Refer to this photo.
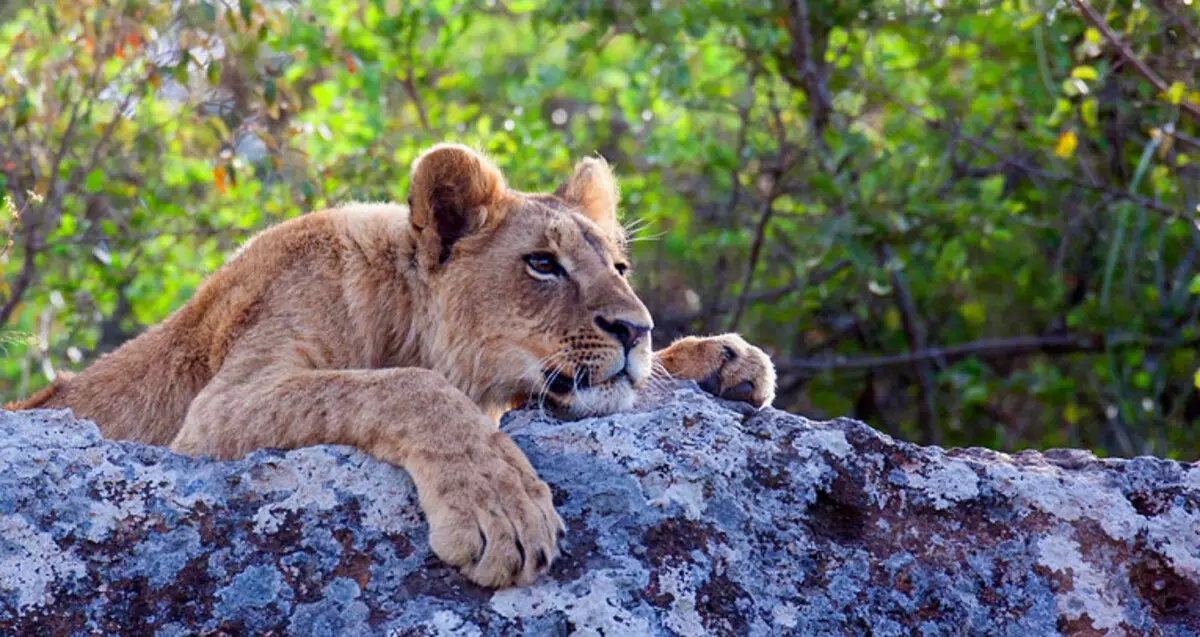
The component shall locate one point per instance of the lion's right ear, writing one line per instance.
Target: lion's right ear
(593, 188)
(452, 194)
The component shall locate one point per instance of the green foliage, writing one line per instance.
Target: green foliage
(845, 182)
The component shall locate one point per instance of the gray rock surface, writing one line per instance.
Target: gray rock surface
(687, 516)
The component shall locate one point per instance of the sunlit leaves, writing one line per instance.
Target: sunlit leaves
(1174, 93)
(1088, 110)
(1065, 146)
(94, 180)
(949, 142)
(1084, 72)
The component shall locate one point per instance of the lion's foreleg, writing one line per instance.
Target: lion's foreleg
(488, 512)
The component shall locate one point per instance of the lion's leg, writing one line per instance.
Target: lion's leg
(724, 365)
(488, 512)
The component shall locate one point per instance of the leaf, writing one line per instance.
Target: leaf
(1061, 109)
(1029, 21)
(218, 175)
(24, 110)
(1194, 288)
(1072, 413)
(1174, 94)
(521, 6)
(1065, 147)
(1087, 110)
(1196, 379)
(94, 180)
(1084, 72)
(973, 313)
(180, 72)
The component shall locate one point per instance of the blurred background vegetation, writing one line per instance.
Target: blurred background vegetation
(968, 222)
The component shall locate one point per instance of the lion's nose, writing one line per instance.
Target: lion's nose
(627, 334)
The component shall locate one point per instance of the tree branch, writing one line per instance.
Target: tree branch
(1060, 344)
(808, 55)
(762, 296)
(17, 289)
(760, 231)
(914, 334)
(1100, 25)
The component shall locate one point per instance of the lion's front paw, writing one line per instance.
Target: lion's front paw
(489, 514)
(725, 366)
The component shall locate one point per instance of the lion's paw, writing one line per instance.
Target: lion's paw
(491, 516)
(725, 366)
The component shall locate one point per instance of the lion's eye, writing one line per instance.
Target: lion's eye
(622, 268)
(544, 264)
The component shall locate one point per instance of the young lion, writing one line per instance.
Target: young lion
(407, 332)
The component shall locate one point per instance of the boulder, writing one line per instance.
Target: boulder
(686, 516)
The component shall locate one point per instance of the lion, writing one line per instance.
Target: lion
(406, 332)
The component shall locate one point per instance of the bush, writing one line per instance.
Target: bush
(967, 223)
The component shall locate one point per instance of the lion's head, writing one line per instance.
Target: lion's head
(530, 289)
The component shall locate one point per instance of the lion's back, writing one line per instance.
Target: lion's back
(142, 390)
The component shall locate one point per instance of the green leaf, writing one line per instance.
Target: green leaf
(1174, 94)
(1084, 72)
(522, 6)
(1062, 108)
(1194, 288)
(1029, 21)
(973, 313)
(24, 110)
(95, 180)
(324, 94)
(1087, 110)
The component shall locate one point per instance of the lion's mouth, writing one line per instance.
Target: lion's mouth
(563, 384)
(585, 393)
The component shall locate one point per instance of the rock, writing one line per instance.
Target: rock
(687, 516)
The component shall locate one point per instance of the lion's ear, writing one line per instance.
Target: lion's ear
(452, 194)
(593, 189)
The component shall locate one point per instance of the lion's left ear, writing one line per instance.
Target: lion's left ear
(593, 189)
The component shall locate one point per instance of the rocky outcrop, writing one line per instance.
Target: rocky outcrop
(687, 516)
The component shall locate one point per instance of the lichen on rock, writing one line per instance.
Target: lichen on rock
(687, 516)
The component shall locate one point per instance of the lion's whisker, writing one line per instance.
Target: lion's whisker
(649, 237)
(548, 379)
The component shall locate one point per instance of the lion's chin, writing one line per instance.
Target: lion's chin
(601, 400)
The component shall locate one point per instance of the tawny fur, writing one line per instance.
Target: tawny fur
(406, 332)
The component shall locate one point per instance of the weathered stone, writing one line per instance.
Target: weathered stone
(687, 516)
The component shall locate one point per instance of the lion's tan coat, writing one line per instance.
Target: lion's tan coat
(406, 332)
